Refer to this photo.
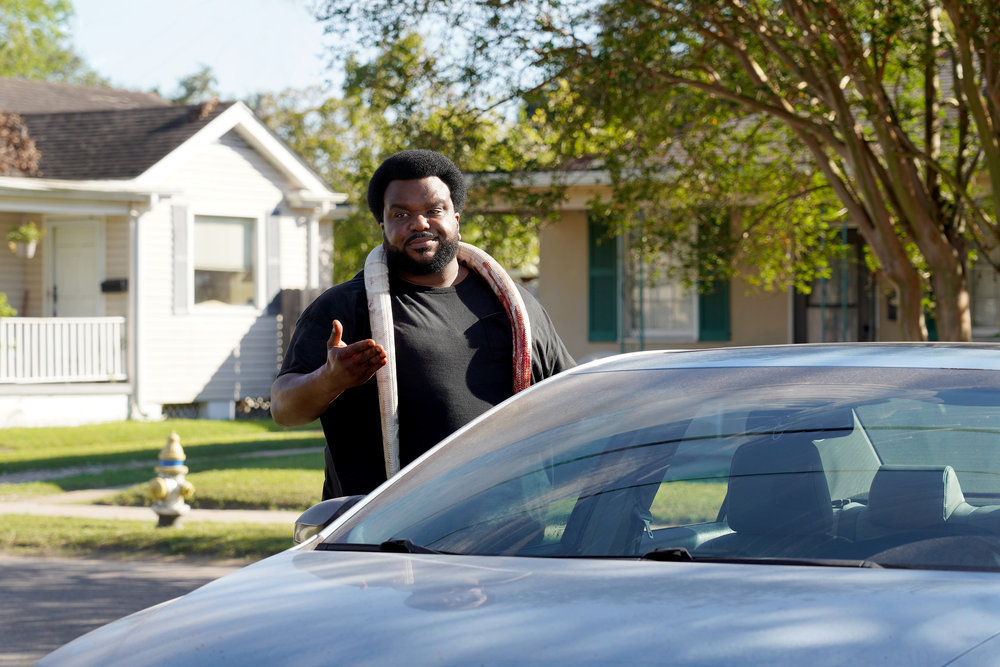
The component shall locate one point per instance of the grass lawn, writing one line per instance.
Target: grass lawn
(232, 464)
(237, 464)
(139, 442)
(141, 540)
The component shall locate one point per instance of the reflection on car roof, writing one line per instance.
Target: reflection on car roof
(985, 356)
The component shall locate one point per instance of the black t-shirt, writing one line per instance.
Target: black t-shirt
(454, 361)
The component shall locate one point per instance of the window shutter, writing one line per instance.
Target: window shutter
(182, 268)
(713, 312)
(602, 257)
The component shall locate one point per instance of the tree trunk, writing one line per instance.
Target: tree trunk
(909, 300)
(951, 296)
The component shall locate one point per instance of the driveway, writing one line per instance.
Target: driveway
(46, 602)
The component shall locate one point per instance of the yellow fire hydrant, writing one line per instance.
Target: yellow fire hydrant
(169, 489)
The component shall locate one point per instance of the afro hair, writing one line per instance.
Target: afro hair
(413, 165)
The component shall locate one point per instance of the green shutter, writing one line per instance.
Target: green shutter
(602, 258)
(713, 312)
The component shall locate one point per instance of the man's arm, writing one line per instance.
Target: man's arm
(299, 398)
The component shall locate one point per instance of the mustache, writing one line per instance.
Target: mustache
(420, 235)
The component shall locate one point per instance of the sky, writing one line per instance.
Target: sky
(251, 45)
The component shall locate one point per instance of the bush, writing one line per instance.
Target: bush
(6, 310)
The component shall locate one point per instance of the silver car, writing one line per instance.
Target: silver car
(787, 505)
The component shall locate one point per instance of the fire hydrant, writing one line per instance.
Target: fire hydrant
(169, 489)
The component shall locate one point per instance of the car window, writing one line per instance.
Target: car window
(852, 465)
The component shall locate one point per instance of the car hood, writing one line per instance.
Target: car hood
(313, 607)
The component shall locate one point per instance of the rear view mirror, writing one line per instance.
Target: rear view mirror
(321, 515)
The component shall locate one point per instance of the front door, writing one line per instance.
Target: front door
(74, 287)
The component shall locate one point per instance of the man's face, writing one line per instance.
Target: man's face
(420, 226)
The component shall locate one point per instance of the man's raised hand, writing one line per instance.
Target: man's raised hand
(352, 365)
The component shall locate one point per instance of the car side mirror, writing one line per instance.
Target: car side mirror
(321, 515)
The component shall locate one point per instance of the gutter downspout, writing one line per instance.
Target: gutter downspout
(133, 357)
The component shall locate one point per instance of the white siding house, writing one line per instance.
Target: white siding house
(170, 233)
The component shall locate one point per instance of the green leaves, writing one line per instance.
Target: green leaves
(884, 109)
(34, 42)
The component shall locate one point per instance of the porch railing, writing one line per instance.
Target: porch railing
(62, 349)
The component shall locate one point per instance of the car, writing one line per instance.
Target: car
(781, 505)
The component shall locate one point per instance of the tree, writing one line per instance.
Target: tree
(896, 104)
(395, 100)
(196, 88)
(18, 153)
(34, 43)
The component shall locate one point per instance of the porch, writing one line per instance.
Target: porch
(36, 350)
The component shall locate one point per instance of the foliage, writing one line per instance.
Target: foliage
(18, 153)
(6, 310)
(884, 110)
(196, 88)
(34, 43)
(25, 233)
(400, 99)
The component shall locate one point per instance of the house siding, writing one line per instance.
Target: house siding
(755, 317)
(562, 283)
(34, 298)
(116, 263)
(293, 240)
(191, 357)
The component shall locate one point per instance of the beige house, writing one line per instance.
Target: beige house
(170, 232)
(604, 302)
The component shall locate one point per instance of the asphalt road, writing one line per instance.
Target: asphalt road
(46, 602)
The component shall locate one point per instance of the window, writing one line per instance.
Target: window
(224, 266)
(656, 306)
(633, 297)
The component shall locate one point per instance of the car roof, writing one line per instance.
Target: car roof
(975, 356)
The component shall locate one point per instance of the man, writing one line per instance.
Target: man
(453, 337)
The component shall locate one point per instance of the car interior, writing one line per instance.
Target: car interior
(779, 504)
(875, 476)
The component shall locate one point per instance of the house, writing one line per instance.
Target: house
(170, 232)
(603, 300)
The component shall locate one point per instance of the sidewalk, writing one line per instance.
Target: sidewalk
(76, 504)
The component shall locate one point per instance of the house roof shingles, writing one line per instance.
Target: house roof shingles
(100, 133)
(112, 144)
(23, 96)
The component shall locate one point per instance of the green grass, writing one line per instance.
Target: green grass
(680, 503)
(288, 483)
(236, 464)
(291, 482)
(97, 538)
(121, 443)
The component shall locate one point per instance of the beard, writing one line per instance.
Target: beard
(401, 262)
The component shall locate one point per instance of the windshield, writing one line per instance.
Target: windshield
(891, 466)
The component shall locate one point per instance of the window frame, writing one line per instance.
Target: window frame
(184, 219)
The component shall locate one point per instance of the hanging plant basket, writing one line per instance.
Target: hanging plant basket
(24, 249)
(23, 240)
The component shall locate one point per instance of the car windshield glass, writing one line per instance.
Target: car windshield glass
(899, 467)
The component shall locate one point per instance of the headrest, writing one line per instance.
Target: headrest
(777, 486)
(908, 497)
